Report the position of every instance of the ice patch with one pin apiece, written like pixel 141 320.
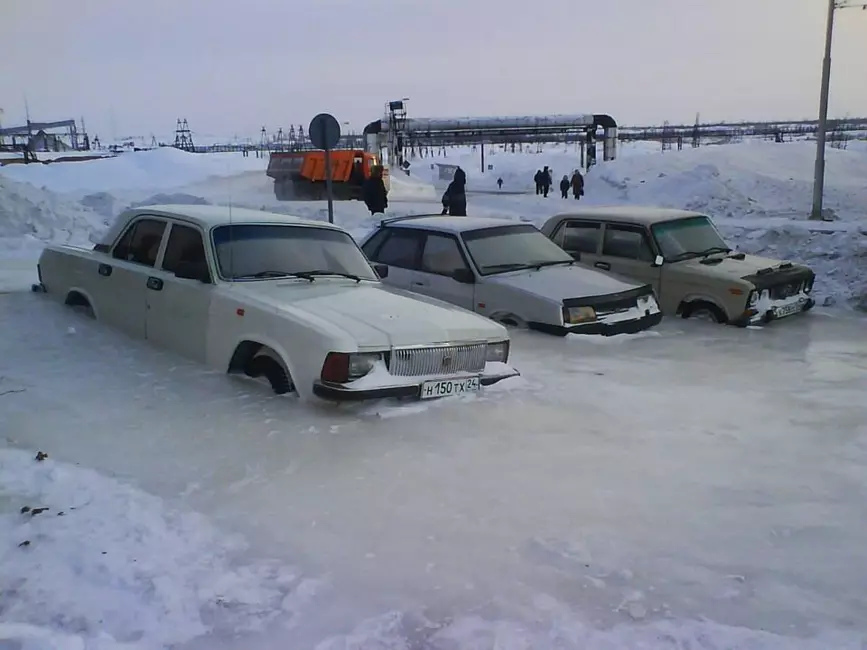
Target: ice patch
pixel 619 339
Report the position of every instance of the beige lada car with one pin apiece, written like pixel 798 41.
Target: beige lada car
pixel 694 273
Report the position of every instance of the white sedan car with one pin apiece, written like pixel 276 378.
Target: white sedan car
pixel 510 272
pixel 289 300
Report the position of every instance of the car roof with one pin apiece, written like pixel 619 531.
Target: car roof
pixel 639 215
pixel 453 224
pixel 208 216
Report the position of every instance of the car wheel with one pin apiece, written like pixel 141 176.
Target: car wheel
pixel 704 311
pixel 272 370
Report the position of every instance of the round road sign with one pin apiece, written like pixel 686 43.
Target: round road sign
pixel 324 131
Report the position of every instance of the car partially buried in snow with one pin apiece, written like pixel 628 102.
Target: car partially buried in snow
pixel 289 300
pixel 693 270
pixel 509 272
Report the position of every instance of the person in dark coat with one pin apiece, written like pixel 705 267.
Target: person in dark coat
pixel 373 192
pixel 500 183
pixel 564 187
pixel 455 196
pixel 546 181
pixel 577 185
pixel 537 177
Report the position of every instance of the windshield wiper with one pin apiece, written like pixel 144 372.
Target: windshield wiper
pixel 309 275
pixel 715 249
pixel 539 265
pixel 508 266
pixel 263 274
pixel 689 254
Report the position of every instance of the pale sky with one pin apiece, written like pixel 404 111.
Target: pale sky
pixel 131 68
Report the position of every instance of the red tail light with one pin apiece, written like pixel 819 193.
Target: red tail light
pixel 335 369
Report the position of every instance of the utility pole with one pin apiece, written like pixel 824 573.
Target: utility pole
pixel 819 174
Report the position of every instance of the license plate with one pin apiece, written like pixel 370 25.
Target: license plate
pixel 449 387
pixel 788 310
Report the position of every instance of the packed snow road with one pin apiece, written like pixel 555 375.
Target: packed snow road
pixel 693 472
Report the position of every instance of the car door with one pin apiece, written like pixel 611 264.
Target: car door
pixel 627 251
pixel 178 309
pixel 400 250
pixel 122 283
pixel 441 259
pixel 581 238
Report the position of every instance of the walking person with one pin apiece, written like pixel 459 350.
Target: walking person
pixel 577 185
pixel 538 179
pixel 546 181
pixel 565 184
pixel 373 192
pixel 500 183
pixel 455 196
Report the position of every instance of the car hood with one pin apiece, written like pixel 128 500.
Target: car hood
pixel 562 282
pixel 729 268
pixel 375 316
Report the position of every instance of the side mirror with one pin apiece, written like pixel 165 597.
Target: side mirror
pixel 658 261
pixel 193 271
pixel 464 276
pixel 381 270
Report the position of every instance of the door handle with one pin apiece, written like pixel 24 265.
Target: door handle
pixel 603 265
pixel 419 284
pixel 155 284
pixel 105 270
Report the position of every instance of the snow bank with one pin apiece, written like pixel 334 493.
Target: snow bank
pixel 157 169
pixel 410 188
pixel 748 178
pixel 28 211
pixel 89 560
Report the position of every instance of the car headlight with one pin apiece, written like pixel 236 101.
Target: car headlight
pixel 361 363
pixel 577 315
pixel 341 367
pixel 646 302
pixel 497 352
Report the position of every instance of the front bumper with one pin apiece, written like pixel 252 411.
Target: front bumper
pixel 763 314
pixel 631 326
pixel 343 393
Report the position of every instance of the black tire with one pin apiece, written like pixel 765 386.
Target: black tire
pixel 703 311
pixel 270 369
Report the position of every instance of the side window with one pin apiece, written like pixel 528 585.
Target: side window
pixel 401 249
pixel 442 255
pixel 580 237
pixel 185 245
pixel 141 242
pixel 628 242
pixel 372 245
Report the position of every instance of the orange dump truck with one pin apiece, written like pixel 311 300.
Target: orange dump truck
pixel 300 175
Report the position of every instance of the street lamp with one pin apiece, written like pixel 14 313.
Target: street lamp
pixel 819 174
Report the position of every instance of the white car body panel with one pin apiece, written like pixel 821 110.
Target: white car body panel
pixel 300 320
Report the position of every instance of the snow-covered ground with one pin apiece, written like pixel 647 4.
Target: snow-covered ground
pixel 692 487
pixel 723 508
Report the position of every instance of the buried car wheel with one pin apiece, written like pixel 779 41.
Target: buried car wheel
pixel 80 305
pixel 264 365
pixel 703 311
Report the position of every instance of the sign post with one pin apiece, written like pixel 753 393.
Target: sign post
pixel 324 133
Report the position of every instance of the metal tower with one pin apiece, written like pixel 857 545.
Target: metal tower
pixel 183 136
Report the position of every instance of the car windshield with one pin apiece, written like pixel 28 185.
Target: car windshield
pixel 690 237
pixel 252 251
pixel 509 248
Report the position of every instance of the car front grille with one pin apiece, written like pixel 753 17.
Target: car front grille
pixel 437 360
